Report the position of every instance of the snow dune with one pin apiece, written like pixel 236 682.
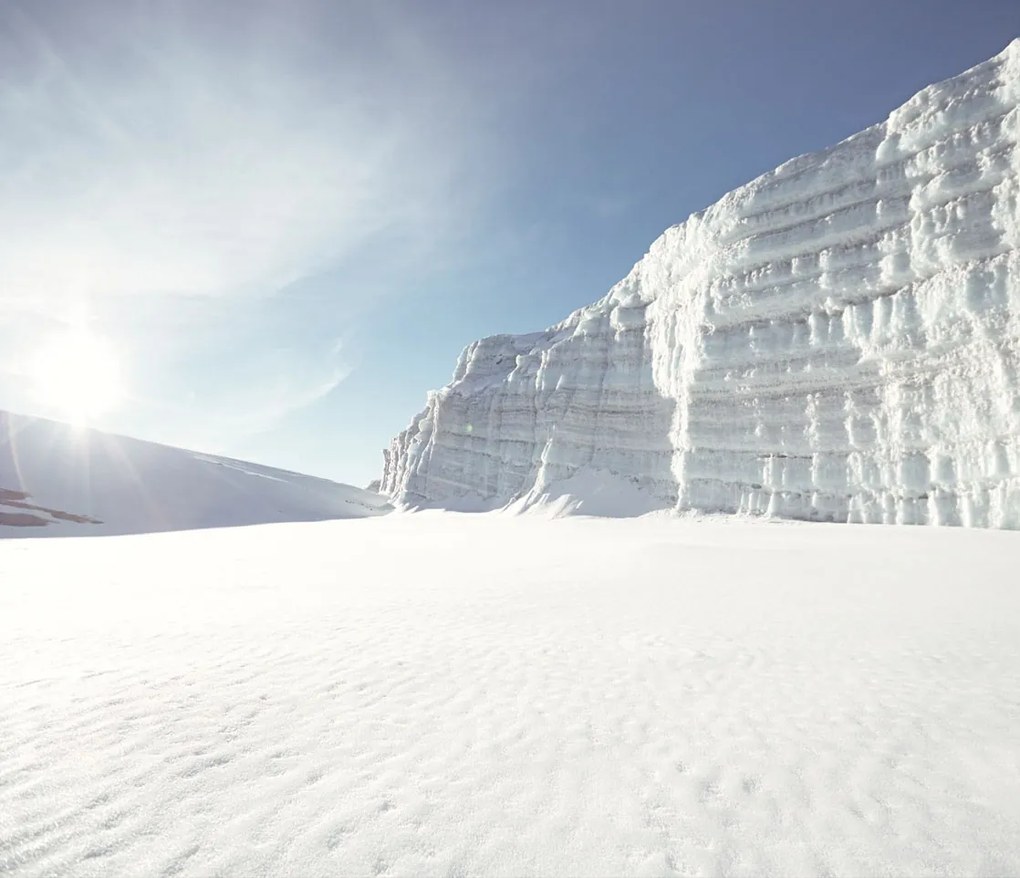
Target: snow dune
pixel 450 694
pixel 59 480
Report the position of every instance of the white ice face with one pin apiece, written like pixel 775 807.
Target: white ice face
pixel 837 340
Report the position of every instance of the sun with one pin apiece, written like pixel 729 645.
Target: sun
pixel 76 374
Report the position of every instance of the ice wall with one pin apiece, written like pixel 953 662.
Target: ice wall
pixel 838 340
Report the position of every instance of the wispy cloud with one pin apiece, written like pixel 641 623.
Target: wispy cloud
pixel 136 161
pixel 156 157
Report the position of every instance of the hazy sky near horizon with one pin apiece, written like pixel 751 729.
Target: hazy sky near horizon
pixel 287 218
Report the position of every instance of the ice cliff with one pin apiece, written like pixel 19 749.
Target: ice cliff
pixel 836 340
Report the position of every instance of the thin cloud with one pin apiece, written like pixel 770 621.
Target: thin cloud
pixel 176 170
pixel 173 158
pixel 244 413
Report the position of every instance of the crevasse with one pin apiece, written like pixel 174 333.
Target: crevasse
pixel 837 340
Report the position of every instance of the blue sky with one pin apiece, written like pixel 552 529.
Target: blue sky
pixel 287 219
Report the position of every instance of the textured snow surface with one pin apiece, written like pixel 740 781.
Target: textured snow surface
pixel 449 694
pixel 837 340
pixel 59 480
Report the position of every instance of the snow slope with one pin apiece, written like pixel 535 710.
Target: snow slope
pixel 838 339
pixel 59 480
pixel 444 694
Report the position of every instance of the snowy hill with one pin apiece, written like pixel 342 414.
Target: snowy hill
pixel 56 479
pixel 837 340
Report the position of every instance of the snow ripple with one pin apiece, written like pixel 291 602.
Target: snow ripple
pixel 448 695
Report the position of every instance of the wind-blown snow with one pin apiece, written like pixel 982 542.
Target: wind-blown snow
pixel 838 340
pixel 59 480
pixel 446 694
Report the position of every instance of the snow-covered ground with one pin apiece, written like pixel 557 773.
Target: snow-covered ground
pixel 58 480
pixel 447 694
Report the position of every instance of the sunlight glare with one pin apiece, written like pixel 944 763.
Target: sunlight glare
pixel 76 374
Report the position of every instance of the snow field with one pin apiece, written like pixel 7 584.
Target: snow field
pixel 448 694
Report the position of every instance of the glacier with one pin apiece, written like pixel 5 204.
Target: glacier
pixel 837 340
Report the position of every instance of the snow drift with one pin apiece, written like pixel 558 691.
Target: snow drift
pixel 836 340
pixel 56 479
